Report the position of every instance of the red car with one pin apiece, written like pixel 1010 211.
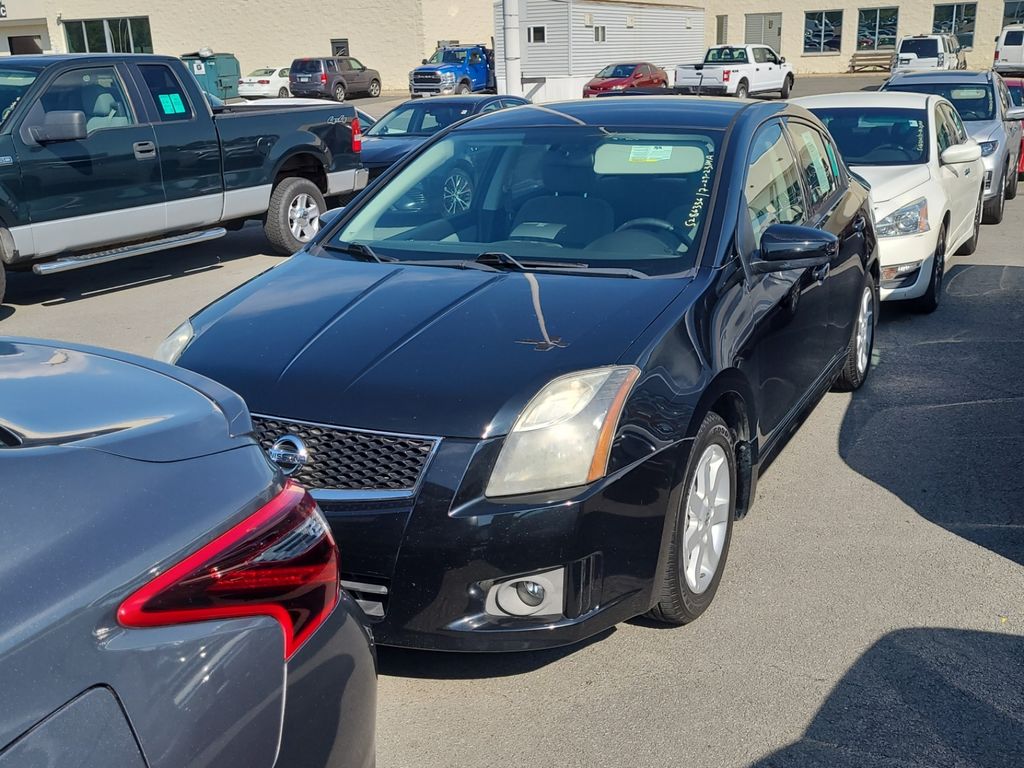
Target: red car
pixel 1015 85
pixel 619 77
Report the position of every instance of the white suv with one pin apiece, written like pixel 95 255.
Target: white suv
pixel 1009 58
pixel 929 52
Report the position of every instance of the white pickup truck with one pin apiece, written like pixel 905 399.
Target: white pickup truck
pixel 739 70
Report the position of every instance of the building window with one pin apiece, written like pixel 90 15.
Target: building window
pixel 24 44
pixel 121 35
pixel 536 35
pixel 1013 12
pixel 823 31
pixel 721 30
pixel 876 28
pixel 956 19
pixel 599 34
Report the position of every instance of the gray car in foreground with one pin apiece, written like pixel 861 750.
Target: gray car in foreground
pixel 989 117
pixel 166 599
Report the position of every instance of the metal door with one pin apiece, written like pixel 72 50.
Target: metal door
pixel 764 29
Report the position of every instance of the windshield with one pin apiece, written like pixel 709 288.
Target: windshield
pixel 617 70
pixel 448 56
pixel 878 136
pixel 422 118
pixel 732 55
pixel 1016 94
pixel 925 48
pixel 973 102
pixel 261 73
pixel 566 196
pixel 306 66
pixel 13 84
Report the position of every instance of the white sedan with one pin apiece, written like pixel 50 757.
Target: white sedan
pixel 926 177
pixel 264 83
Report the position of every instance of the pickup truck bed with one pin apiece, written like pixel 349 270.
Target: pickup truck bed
pixel 736 71
pixel 108 156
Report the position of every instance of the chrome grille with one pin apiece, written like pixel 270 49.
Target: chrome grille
pixel 430 78
pixel 347 459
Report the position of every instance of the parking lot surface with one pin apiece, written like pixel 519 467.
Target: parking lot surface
pixel 871 614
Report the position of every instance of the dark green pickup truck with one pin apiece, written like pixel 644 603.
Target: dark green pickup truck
pixel 103 157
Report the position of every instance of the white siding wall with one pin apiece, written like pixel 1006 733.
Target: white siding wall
pixel 551 57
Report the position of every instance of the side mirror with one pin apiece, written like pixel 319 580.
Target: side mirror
pixel 60 125
pixel 788 246
pixel 782 60
pixel 328 217
pixel 1015 113
pixel 424 62
pixel 961 153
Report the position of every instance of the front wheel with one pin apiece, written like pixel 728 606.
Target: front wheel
pixel 293 217
pixel 994 208
pixel 339 92
pixel 929 301
pixel 787 87
pixel 742 90
pixel 1013 181
pixel 703 527
pixel 862 341
pixel 374 89
pixel 463 89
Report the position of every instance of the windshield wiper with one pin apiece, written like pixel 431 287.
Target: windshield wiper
pixel 361 251
pixel 450 263
pixel 504 260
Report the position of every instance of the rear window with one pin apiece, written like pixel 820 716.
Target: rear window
pixel 1014 37
pixel 973 102
pixel 925 48
pixel 306 66
pixel 731 55
pixel 261 73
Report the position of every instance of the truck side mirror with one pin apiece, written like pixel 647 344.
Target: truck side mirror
pixel 424 62
pixel 60 125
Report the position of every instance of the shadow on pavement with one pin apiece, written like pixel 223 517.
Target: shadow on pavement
pixel 940 421
pixel 27 288
pixel 921 697
pixel 436 665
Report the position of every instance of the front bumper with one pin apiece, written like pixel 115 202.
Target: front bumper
pixel 421 566
pixel 994 165
pixel 903 250
pixel 422 89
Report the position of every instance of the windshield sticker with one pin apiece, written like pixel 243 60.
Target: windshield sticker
pixel 171 104
pixel 650 154
pixel 703 191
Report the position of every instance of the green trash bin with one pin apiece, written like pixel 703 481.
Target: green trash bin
pixel 217 73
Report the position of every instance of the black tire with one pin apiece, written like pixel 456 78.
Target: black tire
pixel 278 227
pixel 994 208
pixel 283 93
pixel 3 282
pixel 374 89
pixel 929 301
pixel 1013 180
pixel 678 604
pixel 339 92
pixel 970 246
pixel 742 90
pixel 787 87
pixel 852 376
pixel 463 89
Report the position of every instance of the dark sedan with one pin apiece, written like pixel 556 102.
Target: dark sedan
pixel 409 125
pixel 167 598
pixel 538 415
pixel 616 78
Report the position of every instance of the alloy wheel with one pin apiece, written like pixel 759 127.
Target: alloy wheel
pixel 303 217
pixel 865 329
pixel 457 193
pixel 707 518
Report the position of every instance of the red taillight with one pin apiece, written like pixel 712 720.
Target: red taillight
pixel 263 82
pixel 725 76
pixel 280 562
pixel 995 56
pixel 323 77
pixel 357 135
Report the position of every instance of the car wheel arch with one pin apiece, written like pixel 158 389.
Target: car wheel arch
pixel 305 162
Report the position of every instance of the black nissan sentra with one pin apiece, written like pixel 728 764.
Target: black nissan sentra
pixel 535 409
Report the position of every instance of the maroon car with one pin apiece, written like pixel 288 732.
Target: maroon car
pixel 619 77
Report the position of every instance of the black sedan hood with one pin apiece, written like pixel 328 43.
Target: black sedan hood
pixel 416 350
pixel 384 150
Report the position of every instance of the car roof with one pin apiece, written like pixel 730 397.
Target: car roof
pixel 942 77
pixel 41 61
pixel 867 100
pixel 621 112
pixel 467 100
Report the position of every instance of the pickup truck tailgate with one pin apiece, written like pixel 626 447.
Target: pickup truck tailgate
pixel 699 74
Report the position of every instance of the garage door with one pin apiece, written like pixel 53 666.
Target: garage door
pixel 764 29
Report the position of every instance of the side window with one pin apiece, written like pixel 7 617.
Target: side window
pixel 945 131
pixel 96 91
pixel 168 95
pixel 814 162
pixel 759 56
pixel 284 72
pixel 332 66
pixel 961 132
pixel 475 57
pixel 772 186
pixel 770 56
pixel 354 64
pixel 494 105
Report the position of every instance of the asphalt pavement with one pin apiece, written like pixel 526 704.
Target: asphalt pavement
pixel 872 611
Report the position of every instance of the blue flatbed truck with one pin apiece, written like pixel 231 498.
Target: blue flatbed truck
pixel 458 69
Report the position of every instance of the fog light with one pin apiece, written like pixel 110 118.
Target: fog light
pixel 899 270
pixel 540 594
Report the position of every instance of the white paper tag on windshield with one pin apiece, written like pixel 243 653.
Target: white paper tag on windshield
pixel 650 154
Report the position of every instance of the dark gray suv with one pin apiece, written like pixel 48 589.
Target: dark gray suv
pixel 332 77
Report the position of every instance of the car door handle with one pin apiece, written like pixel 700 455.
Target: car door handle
pixel 820 273
pixel 144 150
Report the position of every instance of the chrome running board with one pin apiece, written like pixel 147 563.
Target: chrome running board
pixel 126 252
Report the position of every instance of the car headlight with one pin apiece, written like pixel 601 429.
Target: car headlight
pixel 448 76
pixel 911 219
pixel 988 147
pixel 170 349
pixel 564 435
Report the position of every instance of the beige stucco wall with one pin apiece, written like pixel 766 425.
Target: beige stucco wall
pixel 915 18
pixel 389 35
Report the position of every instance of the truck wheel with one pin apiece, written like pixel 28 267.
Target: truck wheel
pixel 742 90
pixel 339 92
pixel 374 90
pixel 293 217
pixel 463 89
pixel 787 87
